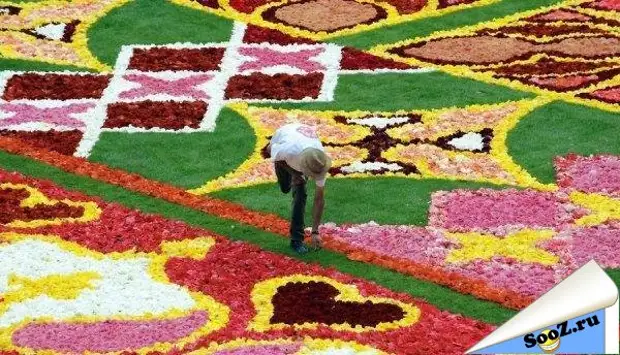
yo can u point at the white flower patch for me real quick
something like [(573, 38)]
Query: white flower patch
[(53, 31), (379, 122), (123, 287), (469, 141), (360, 167)]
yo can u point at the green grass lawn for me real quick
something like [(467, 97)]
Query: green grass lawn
[(187, 160), (560, 128)]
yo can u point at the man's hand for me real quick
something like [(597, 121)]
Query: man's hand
[(317, 243)]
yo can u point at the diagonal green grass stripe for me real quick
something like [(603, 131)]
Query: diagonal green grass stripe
[(426, 26), (439, 296)]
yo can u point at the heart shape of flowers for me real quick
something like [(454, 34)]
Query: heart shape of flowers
[(303, 301), (24, 206)]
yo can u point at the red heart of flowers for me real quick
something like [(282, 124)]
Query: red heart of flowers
[(314, 302), (10, 200)]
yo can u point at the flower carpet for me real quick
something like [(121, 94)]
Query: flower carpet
[(475, 166)]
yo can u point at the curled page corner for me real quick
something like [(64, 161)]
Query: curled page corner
[(586, 290)]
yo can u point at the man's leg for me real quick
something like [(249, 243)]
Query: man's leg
[(284, 176), (299, 209)]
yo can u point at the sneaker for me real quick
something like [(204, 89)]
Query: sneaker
[(299, 247)]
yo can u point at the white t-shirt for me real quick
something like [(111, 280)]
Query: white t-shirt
[(290, 140)]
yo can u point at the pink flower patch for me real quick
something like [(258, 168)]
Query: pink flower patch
[(607, 4), (489, 210), (182, 87), (262, 58), (526, 279), (107, 336), (419, 245), (599, 243), (611, 95), (597, 174), (284, 349)]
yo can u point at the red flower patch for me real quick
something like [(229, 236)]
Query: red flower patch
[(55, 86), (155, 114), (277, 87), (193, 59), (230, 271), (63, 142)]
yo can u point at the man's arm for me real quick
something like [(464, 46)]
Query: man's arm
[(317, 213)]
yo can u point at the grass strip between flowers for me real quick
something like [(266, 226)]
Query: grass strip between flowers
[(439, 296), (557, 129), (426, 26), (27, 65)]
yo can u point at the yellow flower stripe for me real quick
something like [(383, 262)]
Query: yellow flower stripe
[(393, 17), (91, 209), (80, 38), (310, 346), (264, 291), (603, 208), (218, 312), (486, 76), (521, 246)]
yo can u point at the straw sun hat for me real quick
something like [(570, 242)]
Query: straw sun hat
[(315, 163)]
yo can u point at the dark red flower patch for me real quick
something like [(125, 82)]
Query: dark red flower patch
[(10, 10), (63, 142), (447, 3), (314, 302), (209, 3), (546, 66), (55, 86), (277, 87), (156, 114), (567, 82), (353, 59), (542, 30), (10, 209), (407, 6), (160, 59), (248, 6), (255, 34)]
